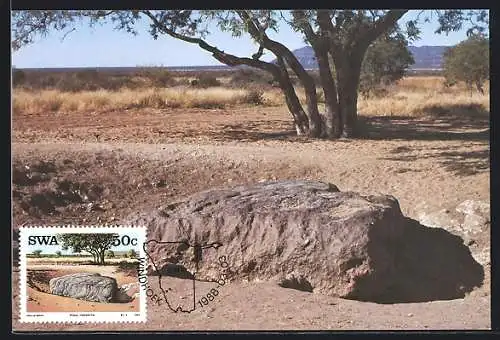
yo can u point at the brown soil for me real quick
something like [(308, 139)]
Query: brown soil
[(139, 159)]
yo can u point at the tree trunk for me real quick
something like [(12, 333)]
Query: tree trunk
[(292, 101), (315, 123), (331, 120), (348, 73)]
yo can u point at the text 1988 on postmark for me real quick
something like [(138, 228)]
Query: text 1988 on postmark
[(81, 274)]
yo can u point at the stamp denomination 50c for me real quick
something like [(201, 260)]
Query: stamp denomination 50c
[(81, 274)]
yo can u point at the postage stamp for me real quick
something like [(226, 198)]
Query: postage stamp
[(81, 274)]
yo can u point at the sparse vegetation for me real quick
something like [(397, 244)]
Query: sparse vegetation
[(205, 80), (468, 62), (37, 253), (407, 97), (385, 62), (250, 77), (340, 39)]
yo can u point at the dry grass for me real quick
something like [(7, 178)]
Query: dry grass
[(412, 96), (407, 103), (53, 100)]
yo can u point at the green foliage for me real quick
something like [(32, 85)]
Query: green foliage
[(95, 244), (346, 34), (385, 62), (468, 62), (131, 253), (37, 253), (58, 253)]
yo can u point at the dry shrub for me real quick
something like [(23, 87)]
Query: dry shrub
[(205, 81), (255, 97), (250, 77)]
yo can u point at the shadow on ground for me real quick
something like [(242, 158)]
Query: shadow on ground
[(460, 163), (451, 122), (428, 264)]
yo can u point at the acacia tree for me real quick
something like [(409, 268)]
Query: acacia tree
[(339, 38), (95, 244), (468, 62), (385, 62)]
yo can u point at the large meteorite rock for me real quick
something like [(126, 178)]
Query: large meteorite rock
[(84, 286), (310, 236)]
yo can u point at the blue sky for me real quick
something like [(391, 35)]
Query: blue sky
[(104, 47)]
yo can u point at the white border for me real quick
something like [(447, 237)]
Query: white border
[(78, 317)]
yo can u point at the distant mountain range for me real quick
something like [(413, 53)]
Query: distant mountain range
[(426, 57)]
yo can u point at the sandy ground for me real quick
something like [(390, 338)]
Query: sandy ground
[(440, 162)]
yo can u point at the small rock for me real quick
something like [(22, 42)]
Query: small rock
[(410, 314), (471, 207), (474, 222)]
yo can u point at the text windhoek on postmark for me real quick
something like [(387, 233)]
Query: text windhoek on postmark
[(81, 274)]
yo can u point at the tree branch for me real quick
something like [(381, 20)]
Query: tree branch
[(225, 58), (380, 26), (259, 53), (277, 48), (305, 25), (326, 25)]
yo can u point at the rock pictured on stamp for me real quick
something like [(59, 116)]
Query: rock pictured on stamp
[(85, 286), (346, 244)]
